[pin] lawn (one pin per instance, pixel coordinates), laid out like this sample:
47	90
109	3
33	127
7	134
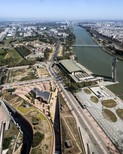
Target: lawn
24	109
14	53
73	126
40	116
110	103
109	115
94	99
9	57
120	113
2	55
87	91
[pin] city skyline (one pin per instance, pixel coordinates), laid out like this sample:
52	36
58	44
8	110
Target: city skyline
61	10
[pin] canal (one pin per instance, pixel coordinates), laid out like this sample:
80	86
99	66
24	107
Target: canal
96	59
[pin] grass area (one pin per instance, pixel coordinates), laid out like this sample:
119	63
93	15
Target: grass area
94	99
37	115
9	57
120	113
109	115
40	116
23	109
37	139
68	123
65	135
110	103
73	126
14	53
42	132
2	55
87	91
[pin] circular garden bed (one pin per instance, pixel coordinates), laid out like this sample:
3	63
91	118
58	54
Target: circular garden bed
87	91
94	99
109	115
110	103
120	113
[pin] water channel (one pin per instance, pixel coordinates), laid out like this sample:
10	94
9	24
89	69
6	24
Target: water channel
96	59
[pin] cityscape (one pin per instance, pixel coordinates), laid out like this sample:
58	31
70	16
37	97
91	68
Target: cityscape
61	77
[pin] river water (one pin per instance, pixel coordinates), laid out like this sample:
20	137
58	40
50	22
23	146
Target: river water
96	59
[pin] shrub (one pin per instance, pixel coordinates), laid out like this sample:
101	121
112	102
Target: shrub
37	139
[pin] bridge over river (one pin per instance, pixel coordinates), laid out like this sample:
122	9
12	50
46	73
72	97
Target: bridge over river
86	45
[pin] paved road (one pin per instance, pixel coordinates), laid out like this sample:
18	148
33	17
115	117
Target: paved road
9	85
56	51
97	145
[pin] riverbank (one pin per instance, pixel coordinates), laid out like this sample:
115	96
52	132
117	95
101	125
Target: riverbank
111	52
96	60
109	48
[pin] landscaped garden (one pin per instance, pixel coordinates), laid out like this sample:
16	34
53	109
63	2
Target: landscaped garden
94	99
109	103
9	57
120	113
87	91
25	107
109	115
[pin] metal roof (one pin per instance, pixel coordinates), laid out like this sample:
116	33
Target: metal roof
70	65
45	95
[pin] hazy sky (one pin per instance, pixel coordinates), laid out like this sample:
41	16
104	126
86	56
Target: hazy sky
61	9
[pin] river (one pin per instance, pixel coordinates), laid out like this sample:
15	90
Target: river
96	59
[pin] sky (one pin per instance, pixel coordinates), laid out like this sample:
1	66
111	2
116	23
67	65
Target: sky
61	9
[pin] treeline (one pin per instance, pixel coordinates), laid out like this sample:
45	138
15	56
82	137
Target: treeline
67	46
47	39
43	38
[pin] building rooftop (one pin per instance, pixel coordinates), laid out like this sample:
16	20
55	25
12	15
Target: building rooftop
45	95
70	65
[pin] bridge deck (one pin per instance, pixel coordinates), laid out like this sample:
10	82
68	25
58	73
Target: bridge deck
80	45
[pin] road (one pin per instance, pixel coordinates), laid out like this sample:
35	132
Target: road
56	51
97	144
10	85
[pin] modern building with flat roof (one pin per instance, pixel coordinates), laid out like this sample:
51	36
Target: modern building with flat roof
76	71
41	95
70	66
